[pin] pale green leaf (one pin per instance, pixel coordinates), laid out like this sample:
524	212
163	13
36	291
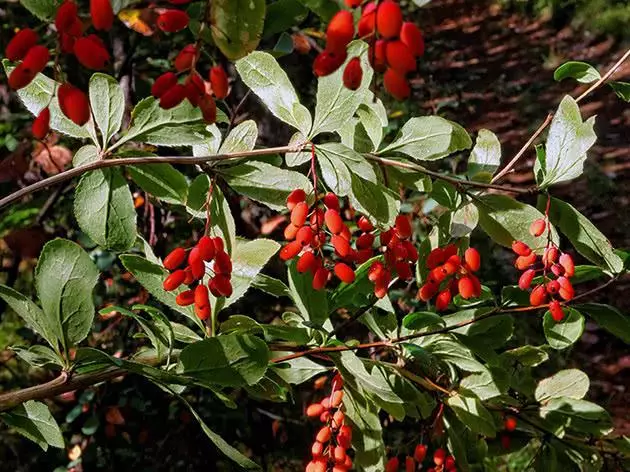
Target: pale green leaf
374	200
485	157
108	105
473	414
312	304
297	371
162	181
241	138
464	220
561	335
33	420
572	383
85	155
221	220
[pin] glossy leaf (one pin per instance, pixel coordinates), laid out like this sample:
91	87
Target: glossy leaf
237	26
608	318
485	157
312	304
580	71
561	335
473	414
108	105
162	181
33	420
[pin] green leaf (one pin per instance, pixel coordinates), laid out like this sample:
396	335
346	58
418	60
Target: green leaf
38	94
482	385
221	220
572	383
422	319
108	105
622	89
33	420
502	218
151	276
211	143
230	360
374	200
325	9
294	159
45	10
584	235
31	314
162	181
262	73
568	140
580	71
579	415
527	355
265	183
373	118
65	277
103	207
367	433
271	286
297	371
336	104
338	163
357	293
311	303
179	126
473	414
248	259
39	356
237	26
485	157
609	318
85	155
283	15
198	196
241	138
464	220
447	349
561	335
429	138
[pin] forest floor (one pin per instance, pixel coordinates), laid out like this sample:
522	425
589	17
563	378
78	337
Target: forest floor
494	69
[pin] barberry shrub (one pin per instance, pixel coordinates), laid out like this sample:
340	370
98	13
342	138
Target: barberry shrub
441	356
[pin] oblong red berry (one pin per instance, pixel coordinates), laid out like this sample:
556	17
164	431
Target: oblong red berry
392	465
566	261
202	298
185	58
537	227
552	287
344	272
290	250
389	19
306	262
353	74
175	258
466	287
328	62
222	262
220	286
550	256
523	262
364	224
367	24
314	410
174	280
219	82
333	221
208	108
20	44
195	88
340	31
36	58
412	37
185	298
410	464
206	248
339	454
74	103
172	21
163	83
304	235
203	312
427	291
557	313
566	289
102	14
299	214
218	244
173	97
65	17
442	300
525	280
320	278
90	53
472	259
296	196
341	245
420	452
290	232
510	422
366	240
399	57
438	456
521	249
435	258
41	124
396	84
538	295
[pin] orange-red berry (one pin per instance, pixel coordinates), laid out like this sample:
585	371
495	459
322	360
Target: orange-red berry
295	197
304	235
557	313
427	291
509	423
91	53
324	434
36	58
466	287
566	261
538	295
306	262
377	55
538	227
173	97
388	19
222	261
208	108
523	262
185	298
328	62
333	221
175	258
442	300
174	280
74	104
410	464
185	58
403	227
163	83
396	84
438	456
420	452
472	258
521	249
364	224
340	31
399	57
314	410
341	245
206	248
344	272
392	465
412	37
320	278
566	288
299	214
525	280
220	286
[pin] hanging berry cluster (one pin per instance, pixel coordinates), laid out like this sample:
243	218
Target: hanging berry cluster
308	239
555	267
329	450
191	274
449	275
441	461
394	46
399	255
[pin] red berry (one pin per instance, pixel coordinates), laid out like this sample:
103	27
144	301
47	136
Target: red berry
317	449
449	464
521	249
538	227
377	55
218	244
66	15
290	250
203	312
208	108
552	287
523	262
442	300
566	289
163	83
403	227
338	419
306	262
367	23
333	221
175	258
353	74
174	280
399	57
389	19
472	258
510	422
173	97
525	280
376	271
317	465
410	464
557	313
172	21
299	214
438	456
185	58
403	269
290	232
185	298
550	256
566	261
412	37
91	53
331	201
202	297
396	84
340	31
195	88
304	235
222	261
344	272
420	452
20	44
538	296
392	465
341	245
435	258
365	241
314	410
41	124
324	434
364	224
427	291
36	59
206	248
102	14
74	104
320	278
220	286
353	3
328	62
438	275
466	287
219	82
295	197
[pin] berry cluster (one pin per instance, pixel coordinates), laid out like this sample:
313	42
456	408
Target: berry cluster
307	236
399	254
207	249
450	275
394	46
553	263
329	450
441	461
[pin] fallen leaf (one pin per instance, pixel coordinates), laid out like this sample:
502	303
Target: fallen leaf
52	159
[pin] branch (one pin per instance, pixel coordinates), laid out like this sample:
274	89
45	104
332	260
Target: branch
135	161
547	121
